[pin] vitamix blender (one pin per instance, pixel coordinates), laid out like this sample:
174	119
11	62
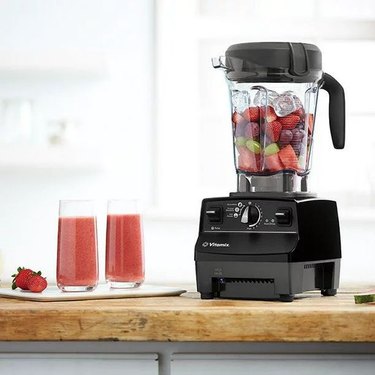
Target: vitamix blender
272	238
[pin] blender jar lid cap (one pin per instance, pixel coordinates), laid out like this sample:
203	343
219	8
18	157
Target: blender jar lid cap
273	62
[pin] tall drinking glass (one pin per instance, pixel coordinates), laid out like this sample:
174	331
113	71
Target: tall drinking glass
77	247
124	267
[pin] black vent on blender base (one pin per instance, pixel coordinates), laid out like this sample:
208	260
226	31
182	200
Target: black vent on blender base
273	62
242	287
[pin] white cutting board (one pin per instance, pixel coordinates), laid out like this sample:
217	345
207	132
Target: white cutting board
52	293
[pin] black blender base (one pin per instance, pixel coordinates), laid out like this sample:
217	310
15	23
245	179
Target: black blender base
272	281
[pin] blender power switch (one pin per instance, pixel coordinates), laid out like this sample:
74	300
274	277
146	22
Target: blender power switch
284	216
214	214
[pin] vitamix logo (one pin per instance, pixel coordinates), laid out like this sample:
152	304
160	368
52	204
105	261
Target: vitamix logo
215	244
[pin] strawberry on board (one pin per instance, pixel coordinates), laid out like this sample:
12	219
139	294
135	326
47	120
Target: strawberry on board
288	158
290	121
251	114
268	114
21	277
273	130
36	283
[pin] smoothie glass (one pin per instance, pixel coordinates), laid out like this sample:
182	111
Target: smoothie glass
77	248
124	266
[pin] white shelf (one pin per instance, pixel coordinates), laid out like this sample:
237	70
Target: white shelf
24	157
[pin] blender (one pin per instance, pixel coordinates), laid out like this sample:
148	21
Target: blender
272	238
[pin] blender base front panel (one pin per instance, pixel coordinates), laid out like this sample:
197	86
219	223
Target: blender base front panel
226	215
266	280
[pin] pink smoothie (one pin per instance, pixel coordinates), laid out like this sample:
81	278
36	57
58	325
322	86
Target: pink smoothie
77	261
124	251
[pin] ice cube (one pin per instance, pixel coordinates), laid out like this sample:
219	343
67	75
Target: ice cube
261	98
240	100
286	103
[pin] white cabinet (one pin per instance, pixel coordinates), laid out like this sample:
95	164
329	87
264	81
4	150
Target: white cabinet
80	364
273	364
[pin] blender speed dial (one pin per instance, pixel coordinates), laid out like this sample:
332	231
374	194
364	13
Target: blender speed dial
250	215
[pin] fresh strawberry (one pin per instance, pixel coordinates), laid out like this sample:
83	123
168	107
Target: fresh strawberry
311	123
273	163
247	160
36	283
273	130
251	114
288	158
268	114
290	121
237	118
20	278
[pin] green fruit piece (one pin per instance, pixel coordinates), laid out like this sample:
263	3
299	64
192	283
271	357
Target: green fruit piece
253	146
271	149
364	298
241	141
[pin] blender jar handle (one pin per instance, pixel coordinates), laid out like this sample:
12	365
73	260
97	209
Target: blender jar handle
336	109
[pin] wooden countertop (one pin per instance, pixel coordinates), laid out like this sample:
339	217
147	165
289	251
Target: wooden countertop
188	318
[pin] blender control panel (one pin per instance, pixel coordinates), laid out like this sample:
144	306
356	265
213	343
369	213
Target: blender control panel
247	215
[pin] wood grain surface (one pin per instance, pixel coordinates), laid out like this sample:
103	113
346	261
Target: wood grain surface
188	318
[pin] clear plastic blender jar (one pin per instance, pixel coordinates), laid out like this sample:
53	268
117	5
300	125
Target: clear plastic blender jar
273	90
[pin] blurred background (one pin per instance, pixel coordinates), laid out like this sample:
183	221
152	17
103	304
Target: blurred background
108	99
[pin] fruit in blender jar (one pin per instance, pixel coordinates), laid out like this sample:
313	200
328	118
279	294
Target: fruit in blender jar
253	146
289	121
272	163
241	141
300	125
288	158
251	114
247	160
268	114
296	142
277	134
252	130
240	129
273	130
285	137
299	112
237	118
271	149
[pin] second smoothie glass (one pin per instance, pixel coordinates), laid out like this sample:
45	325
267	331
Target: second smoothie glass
124	266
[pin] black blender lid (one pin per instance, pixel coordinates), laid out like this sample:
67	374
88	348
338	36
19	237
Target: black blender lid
273	62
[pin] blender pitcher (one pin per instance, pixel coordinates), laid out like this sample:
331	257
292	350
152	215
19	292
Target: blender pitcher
273	88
